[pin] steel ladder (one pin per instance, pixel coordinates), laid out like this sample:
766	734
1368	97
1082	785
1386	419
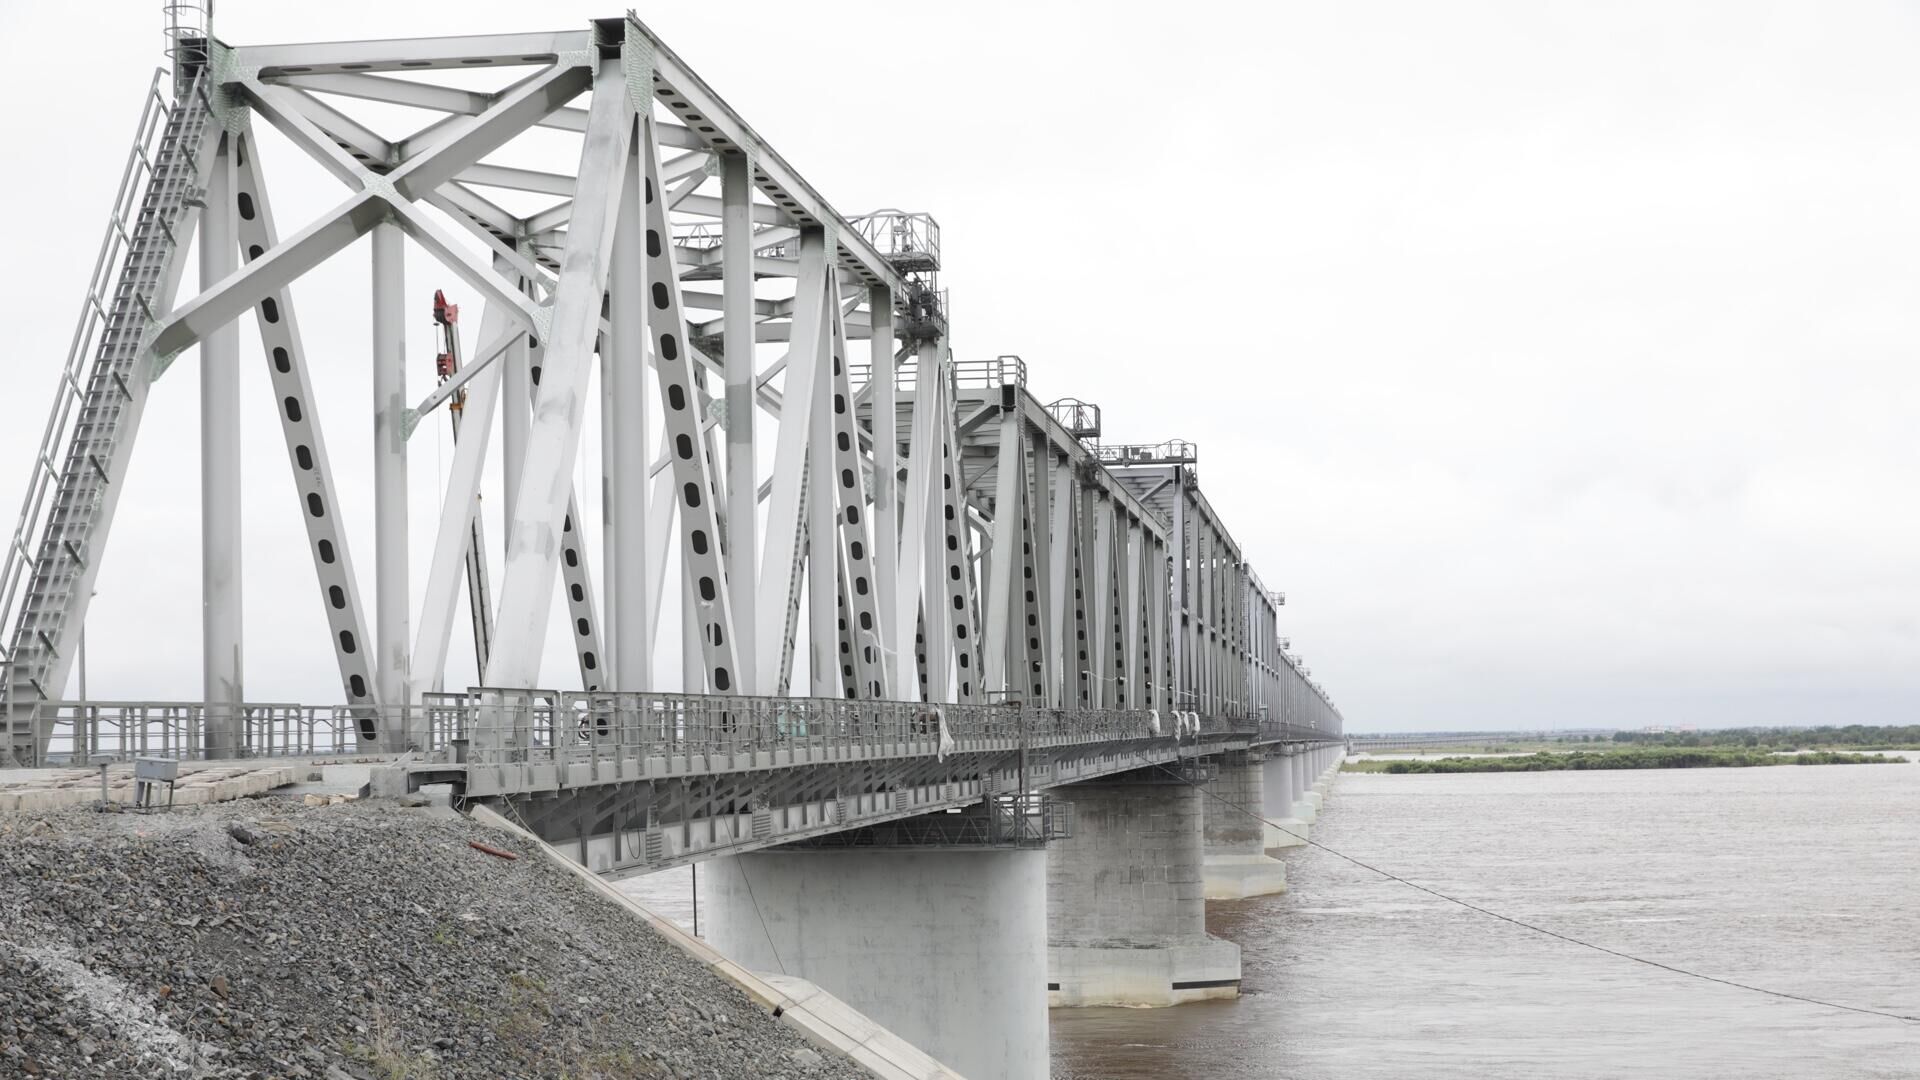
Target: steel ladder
63	522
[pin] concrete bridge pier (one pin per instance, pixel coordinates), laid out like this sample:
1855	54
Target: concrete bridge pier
1330	758
1279	797
1322	763
1126	907
1306	801
944	945
1235	863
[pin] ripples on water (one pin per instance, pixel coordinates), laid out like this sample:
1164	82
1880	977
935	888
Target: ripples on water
1804	879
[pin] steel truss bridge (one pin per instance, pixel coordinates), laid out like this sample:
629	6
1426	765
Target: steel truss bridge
903	582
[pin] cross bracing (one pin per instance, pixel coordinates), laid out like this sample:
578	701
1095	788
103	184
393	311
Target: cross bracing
803	491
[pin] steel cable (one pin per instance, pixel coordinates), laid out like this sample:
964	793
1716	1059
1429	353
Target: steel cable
1523	924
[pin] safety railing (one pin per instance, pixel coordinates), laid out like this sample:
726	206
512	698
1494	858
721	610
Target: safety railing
967	374
536	726
1080	418
71	391
910	241
82	730
493	726
1171	452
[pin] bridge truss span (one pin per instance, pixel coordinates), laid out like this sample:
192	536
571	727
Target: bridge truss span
842	527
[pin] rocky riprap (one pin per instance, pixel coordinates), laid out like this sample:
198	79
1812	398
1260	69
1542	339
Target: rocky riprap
366	941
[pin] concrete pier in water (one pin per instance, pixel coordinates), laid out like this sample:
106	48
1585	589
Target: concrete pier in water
1126	904
1232	805
1279	795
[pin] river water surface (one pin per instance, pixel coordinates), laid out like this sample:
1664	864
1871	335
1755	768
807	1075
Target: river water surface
1804	879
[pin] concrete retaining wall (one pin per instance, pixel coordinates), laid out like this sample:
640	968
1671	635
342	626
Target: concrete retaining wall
821	1018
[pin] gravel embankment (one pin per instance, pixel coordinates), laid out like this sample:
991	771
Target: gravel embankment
365	941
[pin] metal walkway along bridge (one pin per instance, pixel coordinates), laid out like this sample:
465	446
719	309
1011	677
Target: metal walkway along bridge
948	665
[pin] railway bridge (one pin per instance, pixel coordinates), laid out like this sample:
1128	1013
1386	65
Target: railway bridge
968	711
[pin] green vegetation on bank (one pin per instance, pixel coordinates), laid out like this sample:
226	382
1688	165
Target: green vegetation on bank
1851	736
1649	758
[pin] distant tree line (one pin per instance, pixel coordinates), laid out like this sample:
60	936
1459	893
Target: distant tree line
1625	758
1789	738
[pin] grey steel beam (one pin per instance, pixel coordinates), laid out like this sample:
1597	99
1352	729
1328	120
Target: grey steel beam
453	100
743	545
780	565
886	497
859	595
317	495
823	549
391	597
221	636
627	423
490	130
412	54
689	97
695	473
346	150
233	295
539	511
501	176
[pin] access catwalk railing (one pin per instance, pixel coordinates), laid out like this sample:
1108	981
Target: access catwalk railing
94	314
967	374
497	727
1171	452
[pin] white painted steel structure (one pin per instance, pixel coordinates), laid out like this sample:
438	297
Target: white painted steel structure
874	522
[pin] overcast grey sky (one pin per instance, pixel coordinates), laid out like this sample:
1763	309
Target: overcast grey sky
1557	359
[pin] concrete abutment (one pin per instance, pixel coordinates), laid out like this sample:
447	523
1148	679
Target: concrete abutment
945	946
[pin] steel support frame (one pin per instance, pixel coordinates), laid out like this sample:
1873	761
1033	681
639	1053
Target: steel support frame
317	494
782	564
699	499
541	518
862	673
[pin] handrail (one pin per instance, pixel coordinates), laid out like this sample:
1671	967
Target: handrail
489	726
69	388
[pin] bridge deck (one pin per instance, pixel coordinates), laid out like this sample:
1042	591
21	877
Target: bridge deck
644	781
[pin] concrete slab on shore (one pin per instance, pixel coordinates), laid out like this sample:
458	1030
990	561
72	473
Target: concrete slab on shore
200	783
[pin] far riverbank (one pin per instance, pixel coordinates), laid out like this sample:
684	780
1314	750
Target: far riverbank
1638	758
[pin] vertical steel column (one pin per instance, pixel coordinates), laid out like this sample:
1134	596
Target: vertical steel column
886	471
1159	587
823	562
1100	633
626	617
693	671
1005	562
1133	540
516	418
743	485
917	539
390	474
860	659
220	630
609	502
782	565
